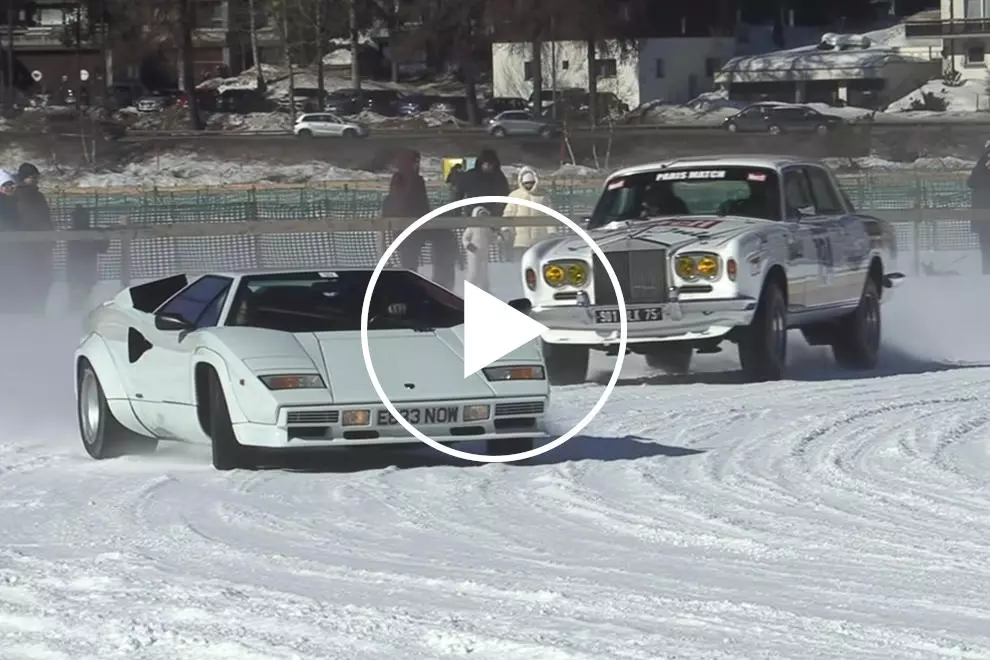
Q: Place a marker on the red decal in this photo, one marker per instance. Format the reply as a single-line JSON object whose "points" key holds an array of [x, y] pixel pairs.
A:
{"points": [[694, 224], [756, 177]]}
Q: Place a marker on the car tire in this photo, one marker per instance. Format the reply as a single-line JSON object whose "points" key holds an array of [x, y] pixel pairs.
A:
{"points": [[763, 344], [821, 129], [498, 131], [856, 339], [773, 129], [349, 133], [546, 133], [228, 454], [567, 364], [305, 133], [506, 446], [732, 128], [674, 358], [102, 435]]}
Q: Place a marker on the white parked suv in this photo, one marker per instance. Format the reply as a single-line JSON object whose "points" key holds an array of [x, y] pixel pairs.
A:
{"points": [[323, 124]]}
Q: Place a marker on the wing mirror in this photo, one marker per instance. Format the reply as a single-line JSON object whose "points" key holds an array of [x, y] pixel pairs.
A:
{"points": [[521, 305], [172, 322], [585, 221], [806, 211]]}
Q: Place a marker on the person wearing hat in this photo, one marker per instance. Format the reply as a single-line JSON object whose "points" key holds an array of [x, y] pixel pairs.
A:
{"points": [[979, 184], [35, 215], [522, 238], [11, 259]]}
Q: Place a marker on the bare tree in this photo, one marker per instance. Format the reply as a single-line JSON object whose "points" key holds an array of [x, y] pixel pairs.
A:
{"points": [[353, 26], [253, 27]]}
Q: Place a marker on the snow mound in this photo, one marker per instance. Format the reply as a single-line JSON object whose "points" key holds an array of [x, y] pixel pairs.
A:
{"points": [[873, 163], [968, 97]]}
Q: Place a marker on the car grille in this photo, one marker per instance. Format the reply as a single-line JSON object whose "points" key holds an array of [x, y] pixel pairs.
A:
{"points": [[642, 276], [312, 417], [520, 408]]}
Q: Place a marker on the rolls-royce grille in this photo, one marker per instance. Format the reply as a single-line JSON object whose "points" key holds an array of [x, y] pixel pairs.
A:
{"points": [[642, 276], [520, 408], [312, 417]]}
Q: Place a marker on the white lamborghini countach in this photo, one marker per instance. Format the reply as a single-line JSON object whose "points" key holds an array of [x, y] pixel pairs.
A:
{"points": [[274, 360]]}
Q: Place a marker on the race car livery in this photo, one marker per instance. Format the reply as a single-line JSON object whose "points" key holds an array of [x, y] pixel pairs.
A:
{"points": [[736, 248], [245, 361]]}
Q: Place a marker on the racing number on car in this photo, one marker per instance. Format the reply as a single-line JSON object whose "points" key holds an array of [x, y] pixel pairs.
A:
{"points": [[826, 260]]}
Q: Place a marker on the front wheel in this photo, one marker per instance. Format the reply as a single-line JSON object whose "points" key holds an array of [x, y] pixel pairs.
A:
{"points": [[228, 454], [763, 344], [856, 340], [305, 133], [350, 133], [498, 131], [102, 435], [567, 364]]}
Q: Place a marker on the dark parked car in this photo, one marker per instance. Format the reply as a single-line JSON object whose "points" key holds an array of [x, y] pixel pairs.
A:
{"points": [[344, 102], [499, 104], [775, 118], [381, 101], [413, 104]]}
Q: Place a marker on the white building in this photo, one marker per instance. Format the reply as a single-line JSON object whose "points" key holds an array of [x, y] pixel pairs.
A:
{"points": [[674, 70], [868, 70], [963, 29]]}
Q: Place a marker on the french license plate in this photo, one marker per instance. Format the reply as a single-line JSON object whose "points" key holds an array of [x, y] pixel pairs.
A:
{"points": [[633, 315], [431, 415]]}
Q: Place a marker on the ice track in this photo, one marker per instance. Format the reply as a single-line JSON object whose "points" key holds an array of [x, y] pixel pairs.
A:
{"points": [[826, 516]]}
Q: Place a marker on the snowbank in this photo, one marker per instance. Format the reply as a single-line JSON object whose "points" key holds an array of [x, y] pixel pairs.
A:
{"points": [[967, 98]]}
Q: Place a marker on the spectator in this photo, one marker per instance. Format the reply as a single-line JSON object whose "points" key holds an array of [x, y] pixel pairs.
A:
{"points": [[477, 241], [979, 183], [521, 238], [11, 275], [81, 260], [35, 215], [485, 178], [407, 198]]}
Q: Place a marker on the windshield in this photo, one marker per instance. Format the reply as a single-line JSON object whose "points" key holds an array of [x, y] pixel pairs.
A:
{"points": [[747, 191], [331, 302]]}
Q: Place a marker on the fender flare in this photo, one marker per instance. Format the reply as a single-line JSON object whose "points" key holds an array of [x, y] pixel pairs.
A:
{"points": [[216, 361], [94, 350]]}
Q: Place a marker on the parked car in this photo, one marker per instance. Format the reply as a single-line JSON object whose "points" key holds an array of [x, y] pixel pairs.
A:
{"points": [[499, 104], [413, 104], [455, 106], [775, 118], [516, 122], [327, 124], [124, 94], [160, 99], [344, 102], [381, 101]]}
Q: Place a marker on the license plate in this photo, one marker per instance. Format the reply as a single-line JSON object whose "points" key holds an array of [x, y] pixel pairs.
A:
{"points": [[634, 315], [430, 415]]}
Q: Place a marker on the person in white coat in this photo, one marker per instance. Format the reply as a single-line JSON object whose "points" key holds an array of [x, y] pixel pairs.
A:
{"points": [[477, 243], [529, 189]]}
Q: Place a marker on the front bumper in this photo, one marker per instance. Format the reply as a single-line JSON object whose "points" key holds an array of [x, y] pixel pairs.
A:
{"points": [[321, 426], [685, 320]]}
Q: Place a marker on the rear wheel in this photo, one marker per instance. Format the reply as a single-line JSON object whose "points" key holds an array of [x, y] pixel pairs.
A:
{"points": [[305, 133], [228, 454], [856, 340], [566, 364], [675, 358], [350, 133], [546, 133], [763, 345], [102, 435], [498, 131], [773, 129]]}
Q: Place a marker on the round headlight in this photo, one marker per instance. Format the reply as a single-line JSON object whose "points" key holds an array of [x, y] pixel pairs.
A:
{"points": [[686, 268], [554, 275], [708, 267], [577, 275]]}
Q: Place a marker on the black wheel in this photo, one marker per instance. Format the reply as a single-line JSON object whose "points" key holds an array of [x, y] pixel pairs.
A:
{"points": [[821, 129], [498, 131], [773, 129], [674, 358], [305, 133], [763, 345], [228, 454], [102, 435], [350, 133], [566, 364], [856, 340], [732, 128], [506, 446], [546, 133]]}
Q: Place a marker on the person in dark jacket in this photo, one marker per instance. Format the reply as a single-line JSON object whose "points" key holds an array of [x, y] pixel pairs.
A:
{"points": [[979, 184], [11, 261], [35, 215], [407, 198], [485, 178], [81, 259]]}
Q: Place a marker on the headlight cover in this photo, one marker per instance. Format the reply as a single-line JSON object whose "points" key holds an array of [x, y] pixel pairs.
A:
{"points": [[699, 265], [515, 372], [559, 273], [293, 381]]}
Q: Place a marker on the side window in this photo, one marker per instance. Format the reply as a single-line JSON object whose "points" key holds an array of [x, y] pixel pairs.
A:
{"points": [[821, 188], [200, 303], [796, 193]]}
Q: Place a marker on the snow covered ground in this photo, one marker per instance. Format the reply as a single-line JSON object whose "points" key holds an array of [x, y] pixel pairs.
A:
{"points": [[832, 515]]}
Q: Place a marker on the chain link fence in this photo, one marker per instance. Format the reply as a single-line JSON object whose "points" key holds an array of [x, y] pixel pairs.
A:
{"points": [[148, 258]]}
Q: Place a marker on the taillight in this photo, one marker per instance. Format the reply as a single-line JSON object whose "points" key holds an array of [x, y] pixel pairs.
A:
{"points": [[531, 279]]}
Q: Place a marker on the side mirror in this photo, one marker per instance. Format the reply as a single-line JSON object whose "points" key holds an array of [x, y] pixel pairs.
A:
{"points": [[806, 211], [172, 323], [521, 305], [585, 221]]}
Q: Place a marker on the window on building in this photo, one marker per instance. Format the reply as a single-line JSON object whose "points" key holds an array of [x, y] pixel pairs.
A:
{"points": [[605, 68], [712, 65], [565, 65], [527, 70], [975, 9], [660, 69], [975, 54]]}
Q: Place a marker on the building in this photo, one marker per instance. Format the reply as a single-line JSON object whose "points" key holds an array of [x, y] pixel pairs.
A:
{"points": [[673, 70], [962, 27], [868, 71]]}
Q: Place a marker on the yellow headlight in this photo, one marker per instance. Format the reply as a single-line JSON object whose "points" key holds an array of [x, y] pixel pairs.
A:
{"points": [[577, 274], [554, 275], [708, 267], [686, 268]]}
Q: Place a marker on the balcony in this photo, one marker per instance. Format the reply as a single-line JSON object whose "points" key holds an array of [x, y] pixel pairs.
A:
{"points": [[950, 29], [41, 37]]}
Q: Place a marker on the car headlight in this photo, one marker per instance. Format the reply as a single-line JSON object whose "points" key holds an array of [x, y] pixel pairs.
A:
{"points": [[554, 275], [559, 273], [355, 417], [522, 372], [293, 382], [476, 412], [702, 265]]}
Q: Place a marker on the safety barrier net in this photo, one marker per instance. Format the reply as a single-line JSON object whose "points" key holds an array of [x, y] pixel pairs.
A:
{"points": [[157, 257]]}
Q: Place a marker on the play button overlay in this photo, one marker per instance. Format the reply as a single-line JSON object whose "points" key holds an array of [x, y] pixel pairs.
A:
{"points": [[492, 329]]}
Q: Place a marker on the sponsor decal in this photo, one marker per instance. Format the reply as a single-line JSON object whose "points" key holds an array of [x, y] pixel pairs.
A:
{"points": [[616, 184], [685, 222], [690, 175], [756, 176]]}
